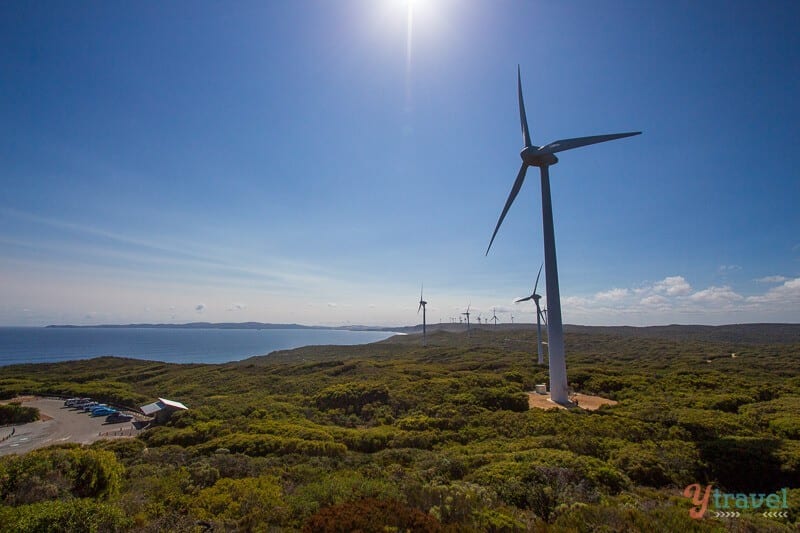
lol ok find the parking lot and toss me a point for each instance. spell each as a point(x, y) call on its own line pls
point(60, 424)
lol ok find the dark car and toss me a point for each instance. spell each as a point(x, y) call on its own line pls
point(118, 417)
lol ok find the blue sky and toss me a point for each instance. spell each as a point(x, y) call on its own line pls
point(315, 162)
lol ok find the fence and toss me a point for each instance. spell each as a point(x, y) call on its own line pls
point(120, 432)
point(9, 434)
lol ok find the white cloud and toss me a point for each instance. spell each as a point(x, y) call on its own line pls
point(724, 269)
point(672, 286)
point(772, 279)
point(654, 300)
point(716, 296)
point(786, 294)
point(200, 308)
point(613, 295)
point(237, 307)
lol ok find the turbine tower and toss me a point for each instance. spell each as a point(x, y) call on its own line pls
point(535, 297)
point(544, 157)
point(422, 304)
point(467, 315)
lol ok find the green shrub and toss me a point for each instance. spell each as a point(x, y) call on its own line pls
point(261, 445)
point(58, 472)
point(242, 504)
point(67, 516)
point(15, 413)
point(658, 464)
point(370, 515)
point(351, 397)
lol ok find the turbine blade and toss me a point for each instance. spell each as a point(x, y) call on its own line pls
point(577, 142)
point(511, 196)
point(526, 136)
point(537, 280)
point(420, 306)
point(523, 299)
point(420, 291)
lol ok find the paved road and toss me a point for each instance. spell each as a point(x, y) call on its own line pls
point(67, 425)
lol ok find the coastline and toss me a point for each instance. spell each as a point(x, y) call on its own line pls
point(166, 345)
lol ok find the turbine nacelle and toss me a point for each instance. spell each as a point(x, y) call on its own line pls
point(532, 157)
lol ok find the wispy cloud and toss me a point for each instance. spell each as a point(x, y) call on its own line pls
point(771, 279)
point(139, 258)
point(612, 295)
point(716, 296)
point(200, 308)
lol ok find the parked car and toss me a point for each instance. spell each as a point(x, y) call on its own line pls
point(104, 411)
point(91, 405)
point(118, 417)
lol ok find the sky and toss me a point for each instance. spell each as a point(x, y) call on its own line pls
point(316, 162)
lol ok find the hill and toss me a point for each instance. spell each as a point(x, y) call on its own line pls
point(440, 437)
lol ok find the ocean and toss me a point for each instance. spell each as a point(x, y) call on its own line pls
point(169, 345)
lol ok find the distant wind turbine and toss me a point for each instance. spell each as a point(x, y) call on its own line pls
point(535, 297)
point(422, 304)
point(494, 315)
point(544, 157)
point(467, 315)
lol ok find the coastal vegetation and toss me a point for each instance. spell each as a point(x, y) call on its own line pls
point(426, 439)
point(16, 413)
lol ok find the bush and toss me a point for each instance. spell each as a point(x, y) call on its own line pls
point(371, 515)
point(59, 472)
point(351, 397)
point(242, 504)
point(76, 515)
point(658, 464)
point(261, 445)
point(15, 413)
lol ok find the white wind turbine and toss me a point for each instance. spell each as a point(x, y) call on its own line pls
point(544, 157)
point(422, 304)
point(536, 297)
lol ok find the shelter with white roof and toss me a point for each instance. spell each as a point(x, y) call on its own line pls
point(162, 410)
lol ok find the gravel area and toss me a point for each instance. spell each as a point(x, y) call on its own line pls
point(60, 424)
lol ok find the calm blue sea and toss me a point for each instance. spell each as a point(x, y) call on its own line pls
point(47, 345)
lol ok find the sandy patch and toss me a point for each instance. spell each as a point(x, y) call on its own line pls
point(583, 401)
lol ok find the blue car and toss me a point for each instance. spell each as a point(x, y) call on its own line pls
point(104, 411)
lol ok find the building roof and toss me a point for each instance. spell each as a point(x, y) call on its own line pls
point(172, 403)
point(160, 405)
point(151, 408)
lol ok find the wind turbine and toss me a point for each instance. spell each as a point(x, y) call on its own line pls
point(422, 304)
point(536, 297)
point(544, 157)
point(494, 315)
point(467, 315)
